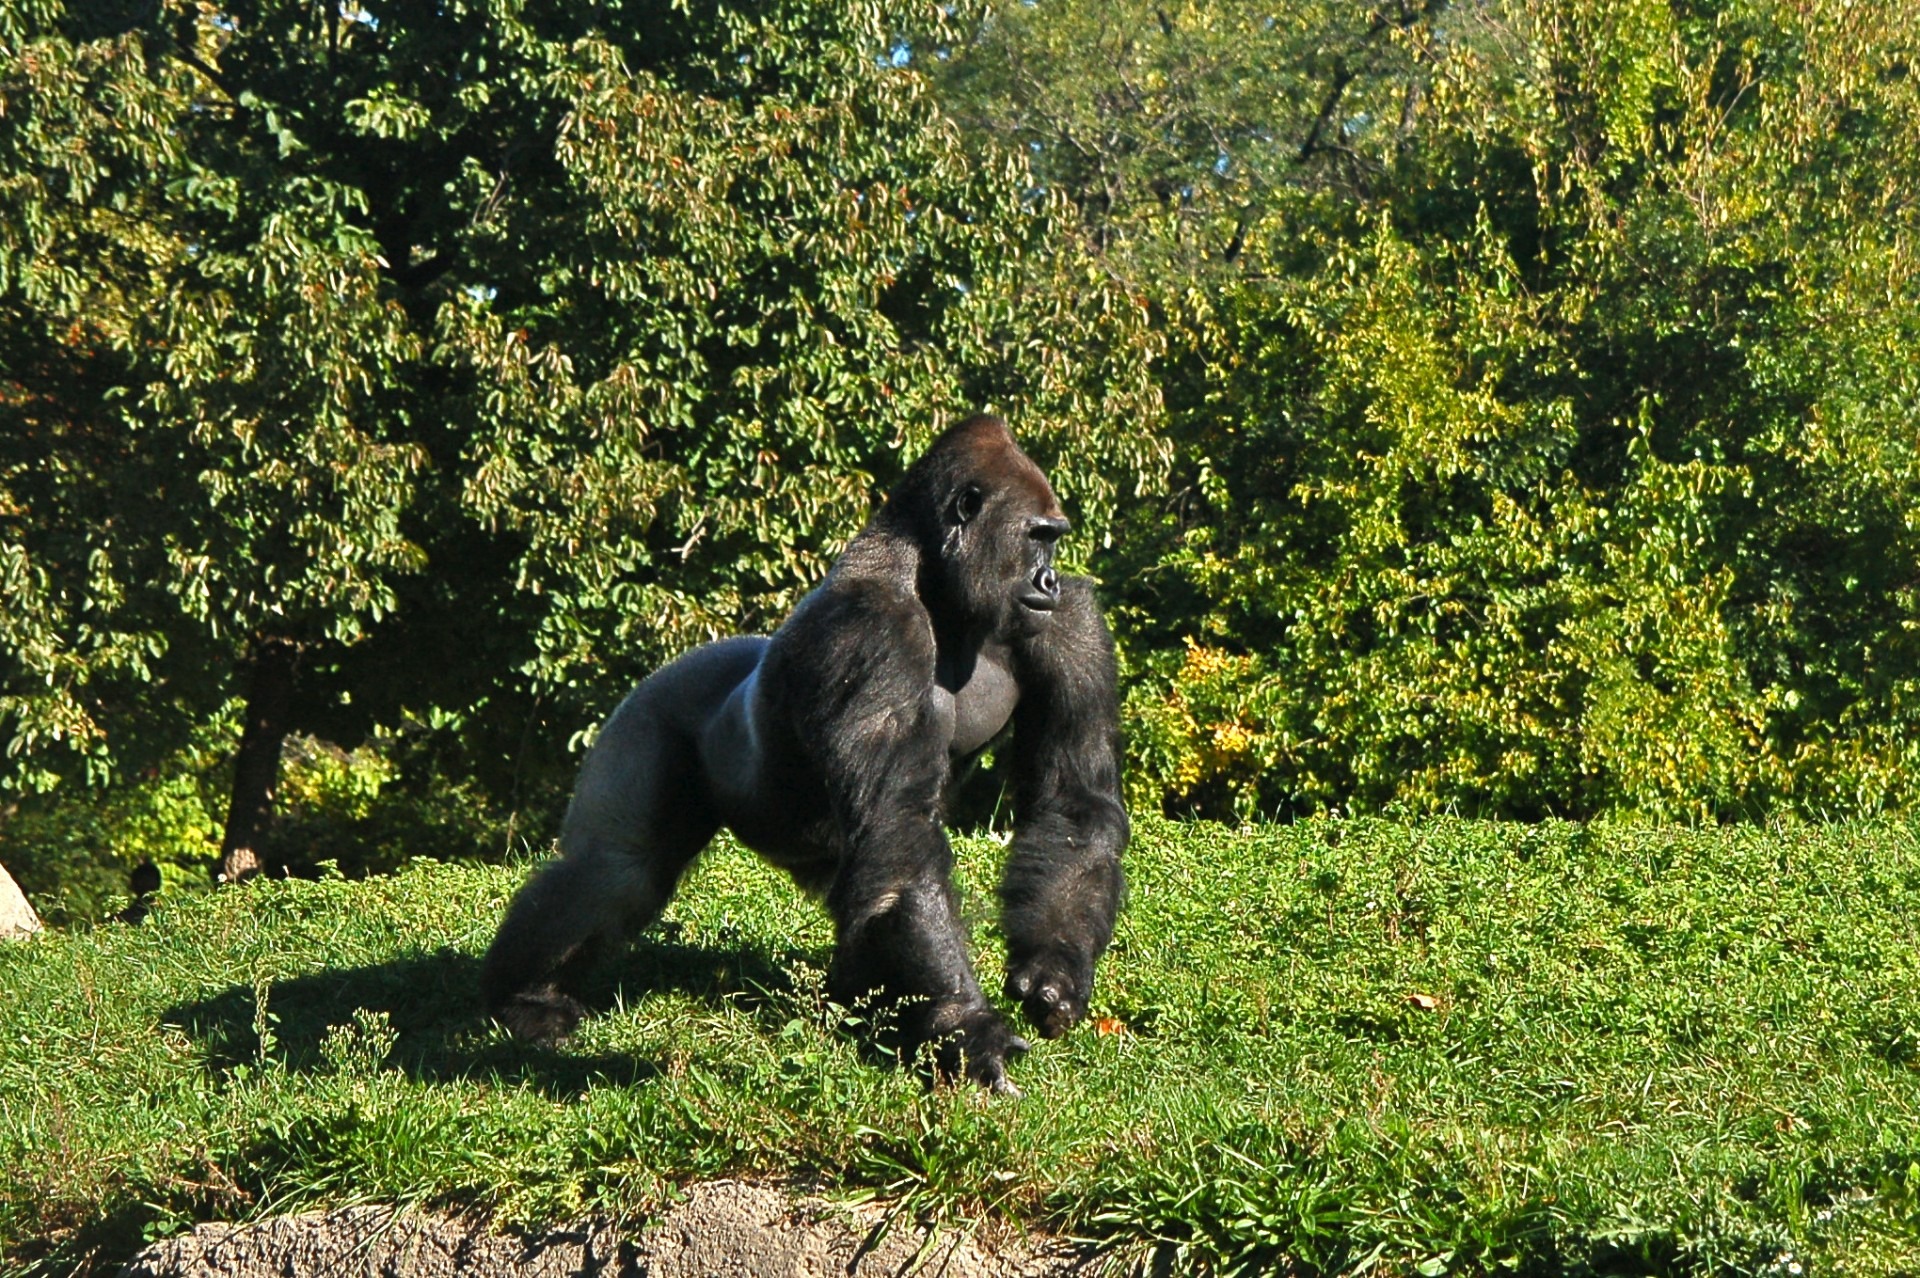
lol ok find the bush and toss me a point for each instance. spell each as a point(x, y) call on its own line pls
point(364, 811)
point(1560, 460)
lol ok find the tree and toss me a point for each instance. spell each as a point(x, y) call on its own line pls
point(193, 377)
point(1178, 129)
point(1549, 452)
point(465, 360)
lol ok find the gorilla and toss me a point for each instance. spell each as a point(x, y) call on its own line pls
point(831, 748)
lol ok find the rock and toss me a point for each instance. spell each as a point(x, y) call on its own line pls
point(377, 1242)
point(724, 1229)
point(17, 918)
point(732, 1230)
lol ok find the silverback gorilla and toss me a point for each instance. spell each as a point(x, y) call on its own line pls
point(830, 749)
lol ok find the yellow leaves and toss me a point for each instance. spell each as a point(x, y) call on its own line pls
point(1204, 730)
point(1230, 740)
point(319, 774)
point(1204, 663)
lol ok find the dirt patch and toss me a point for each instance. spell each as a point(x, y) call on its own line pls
point(723, 1230)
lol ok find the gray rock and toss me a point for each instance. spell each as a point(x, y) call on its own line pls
point(17, 918)
point(724, 1229)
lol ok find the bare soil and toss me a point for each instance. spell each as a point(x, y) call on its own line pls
point(725, 1229)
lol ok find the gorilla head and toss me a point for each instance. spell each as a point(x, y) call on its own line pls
point(987, 521)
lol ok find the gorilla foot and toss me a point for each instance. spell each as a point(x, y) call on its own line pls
point(1052, 991)
point(539, 1016)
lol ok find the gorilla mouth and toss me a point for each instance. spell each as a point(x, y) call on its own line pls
point(1043, 591)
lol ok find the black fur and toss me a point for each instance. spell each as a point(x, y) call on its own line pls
point(830, 748)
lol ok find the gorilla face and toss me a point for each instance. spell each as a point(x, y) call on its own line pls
point(1040, 589)
point(1002, 525)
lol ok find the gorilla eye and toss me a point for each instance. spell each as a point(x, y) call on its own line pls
point(968, 504)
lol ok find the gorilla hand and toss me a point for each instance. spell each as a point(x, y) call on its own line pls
point(977, 1047)
point(1052, 988)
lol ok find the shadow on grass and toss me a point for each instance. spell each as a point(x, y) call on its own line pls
point(432, 1003)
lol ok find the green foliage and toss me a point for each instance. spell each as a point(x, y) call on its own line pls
point(1196, 734)
point(488, 354)
point(72, 854)
point(773, 281)
point(1448, 1047)
point(193, 453)
point(1176, 128)
point(1547, 448)
point(366, 811)
point(374, 809)
point(1539, 374)
point(77, 256)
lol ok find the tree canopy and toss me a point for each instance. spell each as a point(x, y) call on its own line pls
point(1503, 407)
point(1542, 383)
point(472, 358)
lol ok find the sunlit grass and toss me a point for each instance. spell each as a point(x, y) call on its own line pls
point(1450, 1047)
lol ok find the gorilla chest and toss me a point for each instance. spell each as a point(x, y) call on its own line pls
point(973, 700)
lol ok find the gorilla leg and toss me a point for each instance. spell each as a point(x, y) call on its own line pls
point(556, 929)
point(634, 825)
point(568, 917)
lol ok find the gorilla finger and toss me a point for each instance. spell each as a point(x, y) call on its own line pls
point(1051, 1017)
point(991, 1073)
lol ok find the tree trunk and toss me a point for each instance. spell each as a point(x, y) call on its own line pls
point(256, 769)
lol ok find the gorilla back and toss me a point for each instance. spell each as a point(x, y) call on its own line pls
point(830, 749)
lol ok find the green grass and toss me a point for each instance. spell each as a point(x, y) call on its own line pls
point(1634, 1050)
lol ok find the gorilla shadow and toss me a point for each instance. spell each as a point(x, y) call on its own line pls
point(431, 1003)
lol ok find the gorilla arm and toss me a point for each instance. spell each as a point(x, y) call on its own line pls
point(860, 657)
point(1063, 879)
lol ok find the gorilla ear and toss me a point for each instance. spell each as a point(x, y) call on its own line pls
point(967, 504)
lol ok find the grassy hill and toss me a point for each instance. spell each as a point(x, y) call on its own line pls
point(1448, 1047)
